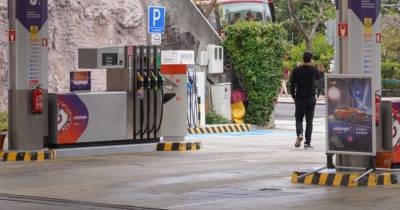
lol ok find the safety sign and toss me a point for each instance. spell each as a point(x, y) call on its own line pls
point(378, 38)
point(368, 27)
point(12, 36)
point(343, 30)
point(156, 19)
point(156, 39)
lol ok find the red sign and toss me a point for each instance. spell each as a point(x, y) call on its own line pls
point(343, 30)
point(378, 38)
point(130, 51)
point(45, 42)
point(12, 36)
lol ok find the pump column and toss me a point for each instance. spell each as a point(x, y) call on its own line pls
point(359, 52)
point(28, 68)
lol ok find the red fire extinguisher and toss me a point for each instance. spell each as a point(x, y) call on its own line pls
point(37, 100)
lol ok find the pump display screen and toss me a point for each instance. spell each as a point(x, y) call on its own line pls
point(110, 59)
point(351, 115)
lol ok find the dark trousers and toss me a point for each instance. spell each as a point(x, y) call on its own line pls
point(305, 106)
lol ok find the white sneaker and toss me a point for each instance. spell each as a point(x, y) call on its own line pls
point(298, 141)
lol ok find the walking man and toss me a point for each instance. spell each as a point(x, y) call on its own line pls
point(303, 86)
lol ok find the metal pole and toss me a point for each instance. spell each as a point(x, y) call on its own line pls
point(309, 173)
point(363, 175)
point(12, 67)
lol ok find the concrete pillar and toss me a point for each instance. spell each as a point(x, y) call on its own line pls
point(28, 55)
point(360, 53)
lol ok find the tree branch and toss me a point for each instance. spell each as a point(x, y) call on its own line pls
point(210, 8)
point(297, 21)
point(318, 20)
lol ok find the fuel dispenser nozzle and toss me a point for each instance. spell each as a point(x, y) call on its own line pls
point(160, 80)
point(140, 86)
point(153, 81)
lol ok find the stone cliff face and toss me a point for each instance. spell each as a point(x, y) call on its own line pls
point(77, 24)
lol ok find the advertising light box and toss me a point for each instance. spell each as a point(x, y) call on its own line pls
point(350, 104)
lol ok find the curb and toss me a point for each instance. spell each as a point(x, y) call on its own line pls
point(345, 180)
point(292, 102)
point(221, 129)
point(177, 146)
point(27, 156)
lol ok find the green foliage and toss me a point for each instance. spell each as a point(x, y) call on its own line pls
point(214, 118)
point(3, 121)
point(390, 10)
point(322, 51)
point(257, 50)
point(307, 11)
point(391, 70)
point(391, 43)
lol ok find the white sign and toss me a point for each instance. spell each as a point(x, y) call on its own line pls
point(156, 39)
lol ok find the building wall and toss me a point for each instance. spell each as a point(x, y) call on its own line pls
point(77, 24)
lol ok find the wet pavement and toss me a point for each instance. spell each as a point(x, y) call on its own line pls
point(233, 171)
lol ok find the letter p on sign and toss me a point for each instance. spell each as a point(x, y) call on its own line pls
point(156, 19)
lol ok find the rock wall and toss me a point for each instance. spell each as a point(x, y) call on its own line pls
point(77, 24)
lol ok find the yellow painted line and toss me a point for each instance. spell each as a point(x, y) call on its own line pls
point(309, 179)
point(168, 147)
point(12, 156)
point(198, 130)
point(53, 154)
point(191, 131)
point(372, 180)
point(351, 180)
point(338, 179)
point(386, 179)
point(27, 156)
point(323, 178)
point(40, 156)
point(182, 147)
point(234, 128)
point(295, 178)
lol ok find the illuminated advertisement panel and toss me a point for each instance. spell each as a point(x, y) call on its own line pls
point(350, 104)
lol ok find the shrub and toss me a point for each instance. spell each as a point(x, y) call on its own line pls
point(3, 121)
point(322, 51)
point(390, 70)
point(257, 50)
point(214, 118)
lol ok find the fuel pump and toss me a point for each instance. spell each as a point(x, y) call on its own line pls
point(134, 86)
point(148, 91)
point(140, 94)
point(193, 114)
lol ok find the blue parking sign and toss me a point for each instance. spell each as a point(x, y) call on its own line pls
point(156, 19)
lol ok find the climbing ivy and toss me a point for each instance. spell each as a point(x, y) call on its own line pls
point(256, 50)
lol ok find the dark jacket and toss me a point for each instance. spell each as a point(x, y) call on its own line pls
point(304, 81)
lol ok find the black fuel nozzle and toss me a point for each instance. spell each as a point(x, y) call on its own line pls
point(160, 80)
point(140, 80)
point(147, 80)
point(140, 86)
point(153, 81)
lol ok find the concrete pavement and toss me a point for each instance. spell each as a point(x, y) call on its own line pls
point(233, 171)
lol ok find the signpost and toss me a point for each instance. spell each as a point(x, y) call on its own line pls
point(156, 19)
point(156, 24)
